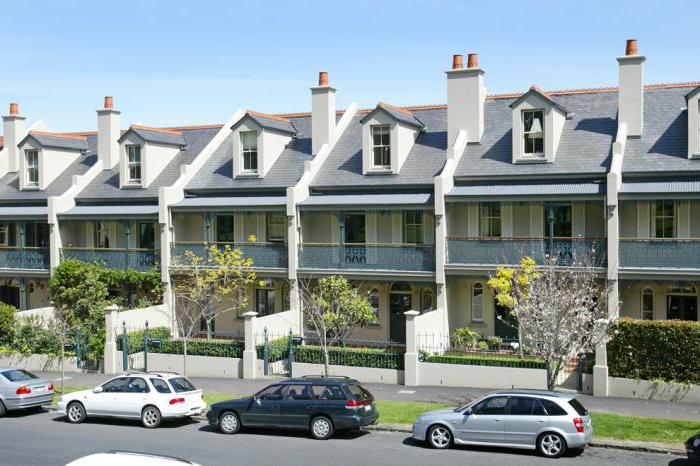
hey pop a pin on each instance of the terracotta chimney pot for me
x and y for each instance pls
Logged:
(14, 109)
(631, 48)
(323, 78)
(109, 102)
(473, 60)
(457, 62)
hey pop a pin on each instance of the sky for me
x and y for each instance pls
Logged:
(193, 62)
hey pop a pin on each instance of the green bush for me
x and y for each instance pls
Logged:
(464, 337)
(356, 357)
(32, 337)
(492, 361)
(655, 350)
(215, 348)
(278, 349)
(7, 324)
(135, 338)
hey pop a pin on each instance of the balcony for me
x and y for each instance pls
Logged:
(509, 251)
(112, 258)
(408, 257)
(29, 258)
(660, 253)
(264, 255)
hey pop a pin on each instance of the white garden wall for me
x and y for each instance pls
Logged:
(457, 375)
(648, 390)
(38, 362)
(363, 374)
(197, 366)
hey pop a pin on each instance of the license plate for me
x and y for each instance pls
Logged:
(39, 389)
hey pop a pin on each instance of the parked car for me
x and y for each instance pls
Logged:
(132, 458)
(151, 397)
(20, 389)
(318, 404)
(692, 448)
(550, 422)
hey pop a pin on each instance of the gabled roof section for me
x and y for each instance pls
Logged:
(534, 90)
(57, 140)
(157, 135)
(397, 113)
(688, 96)
(272, 122)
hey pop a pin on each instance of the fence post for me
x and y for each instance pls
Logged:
(411, 356)
(125, 348)
(266, 353)
(110, 351)
(579, 370)
(79, 347)
(145, 347)
(291, 353)
(250, 357)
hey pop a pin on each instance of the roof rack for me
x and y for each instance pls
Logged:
(325, 377)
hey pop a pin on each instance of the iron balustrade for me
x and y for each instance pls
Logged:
(24, 258)
(263, 254)
(493, 251)
(115, 258)
(372, 256)
(660, 253)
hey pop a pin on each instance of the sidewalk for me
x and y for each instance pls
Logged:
(449, 395)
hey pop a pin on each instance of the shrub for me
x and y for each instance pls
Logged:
(655, 350)
(493, 361)
(215, 348)
(135, 338)
(483, 345)
(356, 357)
(278, 349)
(465, 337)
(7, 324)
(495, 342)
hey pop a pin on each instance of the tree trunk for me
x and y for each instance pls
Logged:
(63, 369)
(325, 360)
(550, 380)
(184, 356)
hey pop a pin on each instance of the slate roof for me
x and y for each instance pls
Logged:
(397, 113)
(269, 122)
(161, 136)
(57, 141)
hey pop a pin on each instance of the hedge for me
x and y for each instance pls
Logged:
(278, 349)
(136, 338)
(492, 361)
(655, 350)
(215, 348)
(356, 357)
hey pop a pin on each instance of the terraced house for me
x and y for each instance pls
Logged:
(416, 205)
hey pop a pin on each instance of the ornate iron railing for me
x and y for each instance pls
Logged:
(660, 253)
(113, 258)
(272, 255)
(568, 251)
(411, 257)
(24, 258)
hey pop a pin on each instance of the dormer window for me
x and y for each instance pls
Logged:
(249, 149)
(533, 133)
(133, 152)
(381, 146)
(32, 167)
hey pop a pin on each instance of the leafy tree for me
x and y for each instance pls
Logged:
(332, 309)
(7, 323)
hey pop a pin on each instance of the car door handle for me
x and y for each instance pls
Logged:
(496, 420)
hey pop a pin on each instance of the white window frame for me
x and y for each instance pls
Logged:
(480, 316)
(133, 152)
(644, 312)
(249, 151)
(31, 158)
(416, 228)
(489, 220)
(270, 220)
(663, 216)
(526, 133)
(381, 131)
(4, 234)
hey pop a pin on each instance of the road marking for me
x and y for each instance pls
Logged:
(407, 392)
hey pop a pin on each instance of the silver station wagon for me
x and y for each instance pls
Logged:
(550, 422)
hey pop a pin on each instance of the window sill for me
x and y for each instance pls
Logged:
(248, 175)
(133, 185)
(532, 159)
(380, 171)
(478, 323)
(32, 187)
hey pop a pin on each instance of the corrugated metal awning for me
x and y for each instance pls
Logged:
(121, 211)
(491, 190)
(371, 201)
(23, 212)
(639, 188)
(233, 202)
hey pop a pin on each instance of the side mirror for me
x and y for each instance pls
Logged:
(257, 401)
(97, 390)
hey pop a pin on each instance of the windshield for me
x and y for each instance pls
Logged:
(181, 384)
(19, 375)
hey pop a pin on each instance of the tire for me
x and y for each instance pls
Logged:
(321, 428)
(151, 417)
(551, 445)
(75, 412)
(3, 411)
(229, 423)
(440, 437)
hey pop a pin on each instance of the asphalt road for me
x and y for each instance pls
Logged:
(42, 438)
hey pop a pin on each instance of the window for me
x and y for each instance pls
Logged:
(8, 234)
(276, 226)
(426, 300)
(647, 304)
(520, 406)
(181, 384)
(117, 385)
(328, 392)
(160, 385)
(360, 393)
(381, 146)
(137, 385)
(490, 219)
(355, 229)
(413, 227)
(533, 132)
(19, 375)
(133, 152)
(664, 219)
(478, 302)
(203, 325)
(101, 239)
(32, 159)
(273, 392)
(553, 409)
(147, 236)
(224, 228)
(36, 235)
(492, 406)
(265, 301)
(298, 392)
(374, 302)
(249, 151)
(578, 407)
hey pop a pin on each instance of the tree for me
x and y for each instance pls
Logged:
(562, 312)
(332, 309)
(62, 325)
(207, 287)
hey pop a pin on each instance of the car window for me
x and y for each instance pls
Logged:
(19, 375)
(520, 406)
(298, 392)
(495, 405)
(538, 409)
(328, 392)
(181, 384)
(359, 392)
(578, 407)
(273, 392)
(137, 385)
(552, 408)
(160, 386)
(117, 385)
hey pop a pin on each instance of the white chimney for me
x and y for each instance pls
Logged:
(108, 133)
(322, 113)
(631, 90)
(13, 132)
(465, 99)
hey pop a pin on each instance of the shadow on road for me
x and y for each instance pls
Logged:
(341, 435)
(681, 462)
(20, 413)
(411, 442)
(166, 424)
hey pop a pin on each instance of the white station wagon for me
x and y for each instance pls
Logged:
(151, 397)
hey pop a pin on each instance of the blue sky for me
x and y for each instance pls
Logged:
(196, 62)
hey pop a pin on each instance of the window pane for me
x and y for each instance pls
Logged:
(478, 302)
(276, 226)
(224, 229)
(355, 228)
(492, 406)
(298, 392)
(520, 406)
(648, 305)
(328, 392)
(147, 236)
(160, 385)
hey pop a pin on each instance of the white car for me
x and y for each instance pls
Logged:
(120, 458)
(151, 397)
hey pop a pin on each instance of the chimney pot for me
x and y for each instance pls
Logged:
(14, 109)
(631, 48)
(472, 60)
(457, 62)
(323, 78)
(109, 102)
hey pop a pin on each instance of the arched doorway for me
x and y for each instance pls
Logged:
(400, 301)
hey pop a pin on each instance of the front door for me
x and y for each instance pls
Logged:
(399, 302)
(682, 307)
(486, 422)
(505, 323)
(558, 230)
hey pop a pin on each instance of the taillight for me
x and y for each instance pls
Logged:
(50, 387)
(356, 403)
(23, 390)
(578, 423)
(177, 400)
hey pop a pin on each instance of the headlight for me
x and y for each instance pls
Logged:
(696, 442)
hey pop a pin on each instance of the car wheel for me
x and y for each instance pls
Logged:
(150, 417)
(75, 412)
(551, 445)
(439, 437)
(2, 409)
(321, 428)
(229, 422)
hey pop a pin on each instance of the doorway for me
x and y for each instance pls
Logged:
(558, 230)
(354, 238)
(400, 301)
(682, 307)
(505, 323)
(10, 295)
